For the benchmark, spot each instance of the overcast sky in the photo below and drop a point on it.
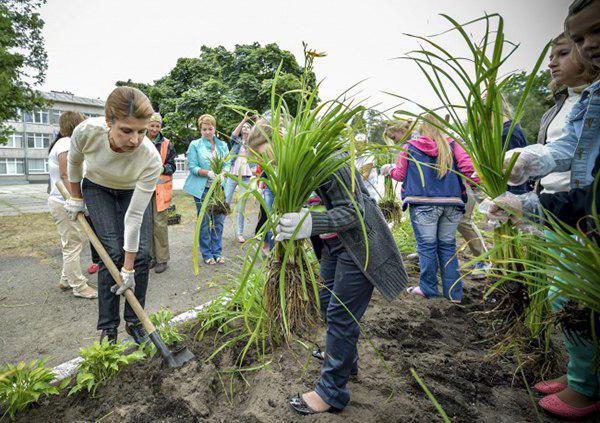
(93, 43)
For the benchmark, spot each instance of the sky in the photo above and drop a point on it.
(92, 44)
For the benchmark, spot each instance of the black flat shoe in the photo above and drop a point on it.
(137, 332)
(300, 406)
(110, 334)
(318, 354)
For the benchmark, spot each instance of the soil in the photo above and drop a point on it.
(443, 342)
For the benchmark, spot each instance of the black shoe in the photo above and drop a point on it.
(152, 264)
(111, 334)
(161, 267)
(318, 354)
(137, 332)
(300, 406)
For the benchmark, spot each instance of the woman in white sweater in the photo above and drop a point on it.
(122, 168)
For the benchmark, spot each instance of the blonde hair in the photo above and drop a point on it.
(207, 120)
(124, 102)
(588, 73)
(402, 127)
(430, 128)
(68, 121)
(260, 134)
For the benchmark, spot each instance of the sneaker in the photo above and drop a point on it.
(137, 332)
(64, 286)
(220, 260)
(93, 268)
(88, 293)
(416, 291)
(152, 264)
(241, 239)
(161, 267)
(413, 257)
(111, 334)
(480, 271)
(210, 261)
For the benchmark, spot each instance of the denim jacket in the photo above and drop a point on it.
(577, 149)
(198, 156)
(235, 148)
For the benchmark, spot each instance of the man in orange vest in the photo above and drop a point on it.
(162, 196)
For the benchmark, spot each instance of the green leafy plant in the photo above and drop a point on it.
(102, 361)
(23, 384)
(217, 204)
(168, 333)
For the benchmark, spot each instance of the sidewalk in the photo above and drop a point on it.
(32, 198)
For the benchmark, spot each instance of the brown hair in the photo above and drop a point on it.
(124, 102)
(68, 121)
(207, 120)
(576, 7)
(260, 134)
(403, 126)
(588, 72)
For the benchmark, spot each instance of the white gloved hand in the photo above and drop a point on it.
(290, 221)
(74, 206)
(210, 174)
(534, 162)
(386, 169)
(509, 207)
(128, 279)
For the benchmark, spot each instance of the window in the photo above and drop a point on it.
(35, 140)
(54, 116)
(37, 165)
(181, 165)
(12, 167)
(18, 117)
(38, 116)
(14, 141)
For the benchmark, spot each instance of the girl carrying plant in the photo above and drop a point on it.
(435, 195)
(348, 277)
(122, 169)
(197, 184)
(575, 150)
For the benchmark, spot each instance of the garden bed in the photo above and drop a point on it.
(443, 342)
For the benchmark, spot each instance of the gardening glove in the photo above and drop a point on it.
(211, 175)
(534, 161)
(509, 207)
(128, 278)
(386, 169)
(74, 206)
(290, 221)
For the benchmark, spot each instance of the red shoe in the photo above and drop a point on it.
(553, 404)
(93, 268)
(549, 387)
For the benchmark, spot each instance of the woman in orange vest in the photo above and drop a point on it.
(162, 196)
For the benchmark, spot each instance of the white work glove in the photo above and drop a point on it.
(290, 221)
(386, 169)
(509, 207)
(211, 174)
(128, 278)
(534, 161)
(74, 206)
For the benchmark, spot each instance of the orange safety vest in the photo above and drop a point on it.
(164, 187)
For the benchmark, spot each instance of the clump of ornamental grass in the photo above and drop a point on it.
(472, 86)
(217, 204)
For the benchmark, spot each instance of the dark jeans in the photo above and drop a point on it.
(107, 209)
(352, 289)
(211, 231)
(95, 257)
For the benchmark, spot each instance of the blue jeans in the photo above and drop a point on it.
(269, 199)
(230, 187)
(211, 232)
(353, 290)
(435, 232)
(107, 208)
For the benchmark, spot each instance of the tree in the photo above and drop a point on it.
(537, 103)
(217, 80)
(23, 59)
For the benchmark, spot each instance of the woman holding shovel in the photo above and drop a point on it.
(122, 169)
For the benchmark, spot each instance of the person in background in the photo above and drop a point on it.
(365, 164)
(472, 235)
(435, 205)
(122, 167)
(198, 182)
(71, 235)
(239, 168)
(162, 196)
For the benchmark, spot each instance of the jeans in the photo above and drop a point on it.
(230, 187)
(435, 230)
(107, 208)
(211, 231)
(353, 290)
(269, 199)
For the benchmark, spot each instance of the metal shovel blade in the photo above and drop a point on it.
(170, 359)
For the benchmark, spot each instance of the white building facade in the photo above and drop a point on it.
(24, 158)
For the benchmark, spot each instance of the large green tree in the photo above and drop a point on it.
(23, 59)
(217, 80)
(537, 103)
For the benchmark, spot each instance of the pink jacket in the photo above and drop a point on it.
(429, 147)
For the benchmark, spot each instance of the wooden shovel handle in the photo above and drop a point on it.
(114, 272)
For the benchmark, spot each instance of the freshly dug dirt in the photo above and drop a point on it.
(441, 341)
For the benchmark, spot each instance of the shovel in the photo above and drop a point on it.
(170, 359)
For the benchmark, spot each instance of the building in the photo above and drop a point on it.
(24, 158)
